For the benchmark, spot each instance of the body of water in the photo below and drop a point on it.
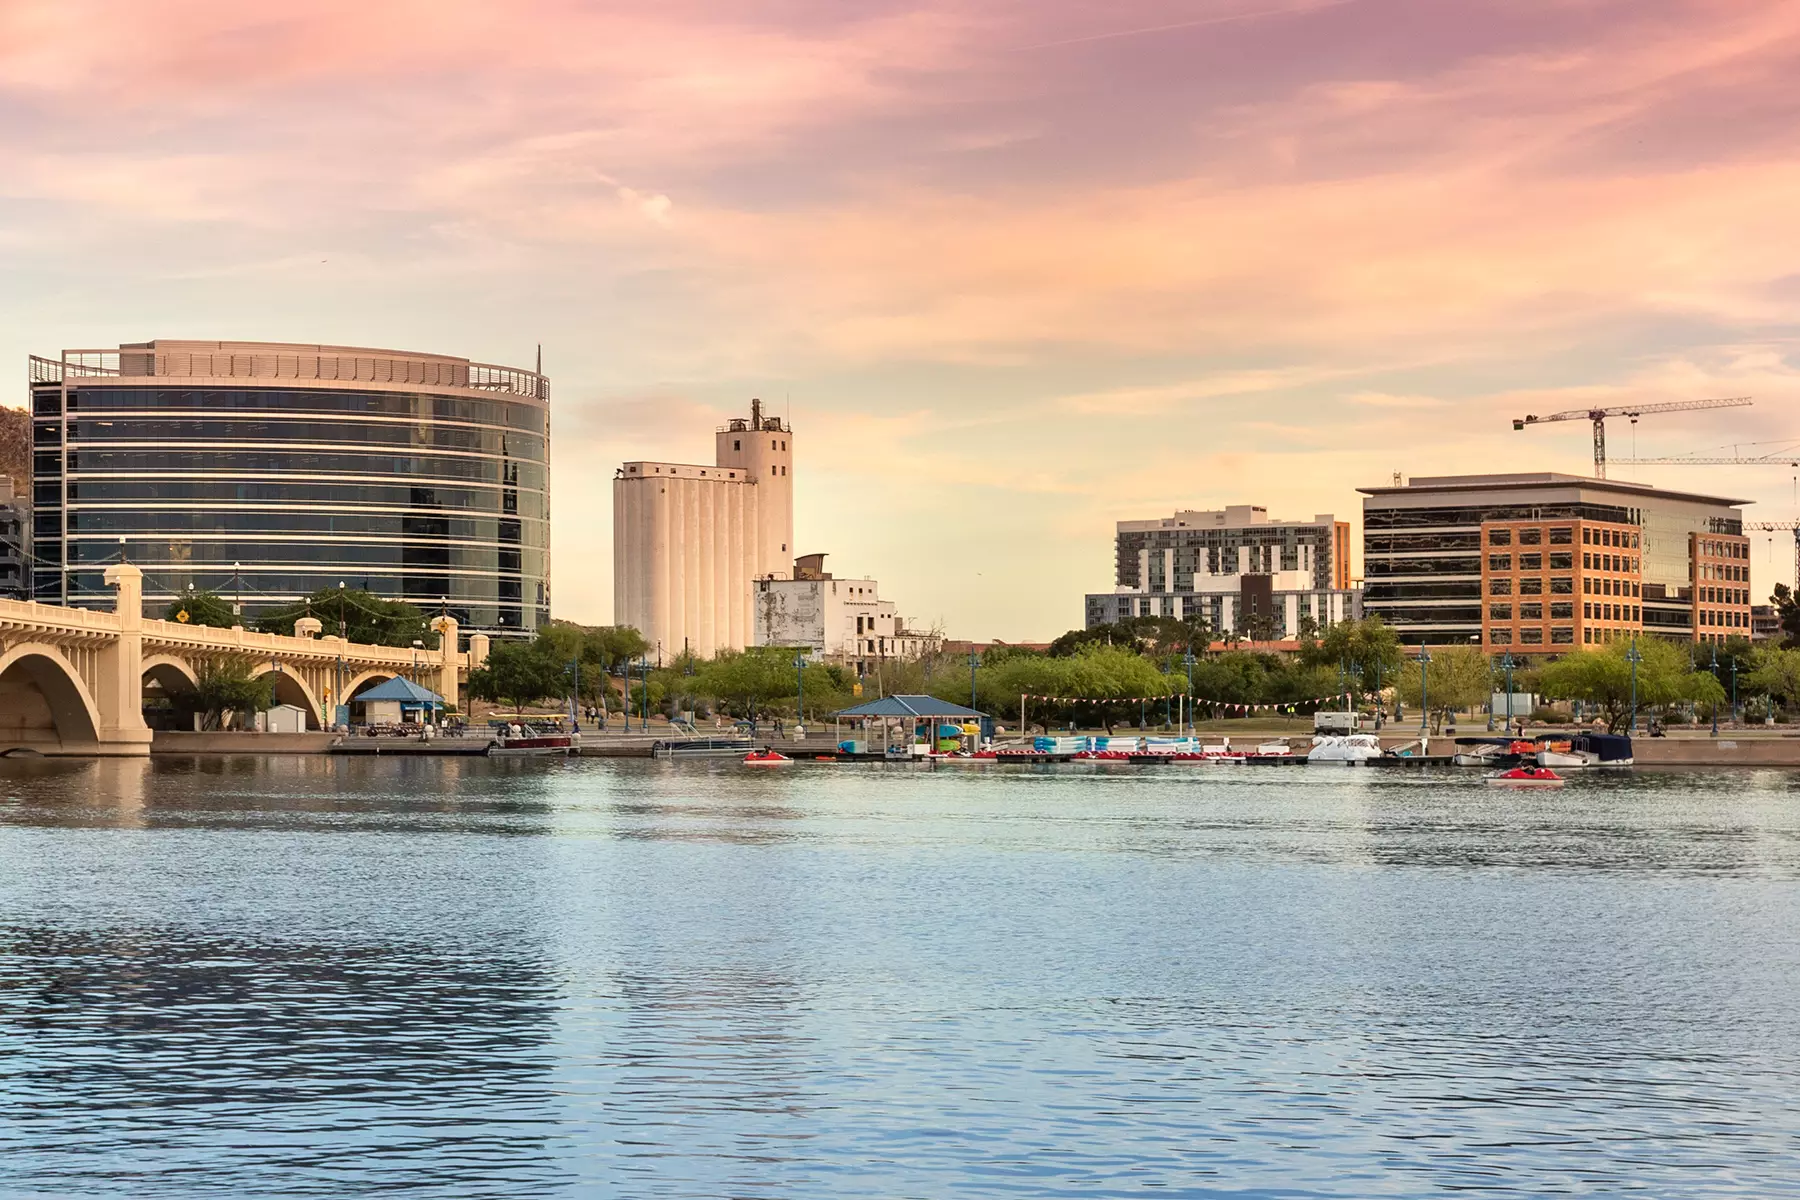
(314, 977)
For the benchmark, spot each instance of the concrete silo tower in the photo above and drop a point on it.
(763, 447)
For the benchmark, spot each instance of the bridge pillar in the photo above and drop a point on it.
(448, 658)
(119, 695)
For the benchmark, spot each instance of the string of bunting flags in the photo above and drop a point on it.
(1286, 706)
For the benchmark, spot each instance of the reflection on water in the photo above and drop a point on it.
(304, 976)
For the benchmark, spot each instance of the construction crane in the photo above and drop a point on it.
(1774, 526)
(1634, 411)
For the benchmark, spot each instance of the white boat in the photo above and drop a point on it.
(522, 741)
(1348, 749)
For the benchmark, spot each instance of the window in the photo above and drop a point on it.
(1562, 535)
(1499, 612)
(1636, 588)
(1531, 562)
(1562, 635)
(1531, 587)
(1564, 561)
(1499, 562)
(1562, 585)
(1587, 636)
(1500, 637)
(1562, 610)
(737, 443)
(1531, 612)
(1587, 536)
(1499, 587)
(1499, 537)
(1587, 610)
(1531, 637)
(1531, 537)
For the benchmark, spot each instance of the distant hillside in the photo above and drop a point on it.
(15, 446)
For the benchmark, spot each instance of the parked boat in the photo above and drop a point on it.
(1582, 750)
(701, 747)
(766, 758)
(1348, 749)
(525, 741)
(1526, 776)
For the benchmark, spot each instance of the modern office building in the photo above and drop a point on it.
(1543, 563)
(842, 621)
(689, 541)
(265, 471)
(1234, 567)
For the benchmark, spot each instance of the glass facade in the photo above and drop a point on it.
(267, 493)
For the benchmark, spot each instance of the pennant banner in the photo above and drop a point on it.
(1287, 706)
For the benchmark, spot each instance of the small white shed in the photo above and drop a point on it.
(285, 718)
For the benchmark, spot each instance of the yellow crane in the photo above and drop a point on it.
(1634, 411)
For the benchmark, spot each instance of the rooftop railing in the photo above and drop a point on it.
(373, 367)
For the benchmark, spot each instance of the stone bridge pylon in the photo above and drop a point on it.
(72, 679)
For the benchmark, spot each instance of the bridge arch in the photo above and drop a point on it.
(170, 673)
(290, 688)
(366, 680)
(43, 701)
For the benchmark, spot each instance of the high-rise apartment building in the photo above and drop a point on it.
(1543, 563)
(690, 541)
(266, 471)
(1232, 567)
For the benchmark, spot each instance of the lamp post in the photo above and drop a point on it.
(1507, 664)
(1634, 658)
(1737, 718)
(1715, 674)
(416, 646)
(1379, 706)
(800, 686)
(1424, 693)
(575, 698)
(1188, 660)
(974, 661)
(644, 713)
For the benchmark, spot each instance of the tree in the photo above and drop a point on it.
(518, 673)
(196, 607)
(1603, 677)
(1458, 677)
(1787, 607)
(1367, 649)
(1778, 674)
(366, 617)
(1140, 635)
(224, 688)
(747, 682)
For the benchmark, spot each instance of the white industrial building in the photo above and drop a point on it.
(690, 542)
(839, 620)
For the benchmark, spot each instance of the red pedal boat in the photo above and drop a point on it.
(766, 758)
(1526, 776)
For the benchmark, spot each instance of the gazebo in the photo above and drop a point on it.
(397, 700)
(910, 710)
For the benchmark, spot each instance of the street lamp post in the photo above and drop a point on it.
(800, 686)
(1507, 664)
(1715, 673)
(1188, 660)
(1424, 693)
(974, 661)
(644, 713)
(417, 644)
(1634, 658)
(1737, 718)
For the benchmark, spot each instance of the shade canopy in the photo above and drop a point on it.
(404, 690)
(910, 706)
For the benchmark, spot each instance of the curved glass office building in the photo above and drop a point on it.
(266, 471)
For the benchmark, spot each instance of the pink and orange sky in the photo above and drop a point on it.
(1017, 269)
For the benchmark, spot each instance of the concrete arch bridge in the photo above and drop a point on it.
(72, 680)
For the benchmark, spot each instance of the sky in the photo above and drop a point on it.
(1015, 269)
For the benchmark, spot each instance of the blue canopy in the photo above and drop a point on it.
(910, 706)
(408, 693)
